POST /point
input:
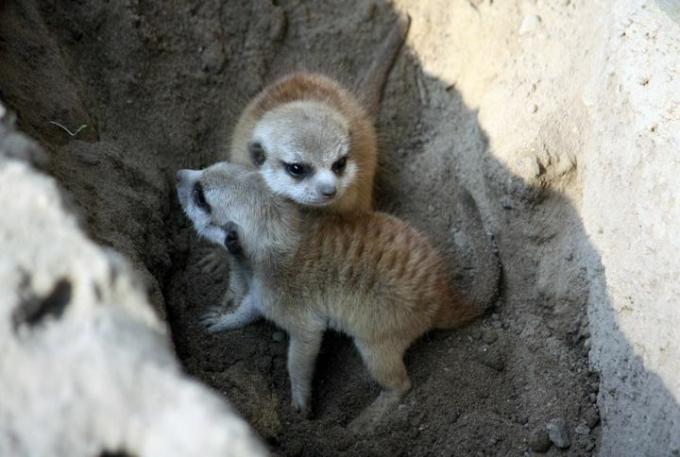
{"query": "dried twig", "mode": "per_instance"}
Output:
(67, 130)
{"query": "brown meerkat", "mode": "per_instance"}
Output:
(366, 274)
(313, 141)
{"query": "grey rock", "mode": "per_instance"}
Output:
(489, 336)
(492, 358)
(558, 433)
(592, 417)
(582, 429)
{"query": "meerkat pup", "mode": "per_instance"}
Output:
(313, 141)
(366, 274)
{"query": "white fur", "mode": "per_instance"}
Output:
(310, 133)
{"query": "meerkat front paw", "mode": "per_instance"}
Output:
(212, 262)
(215, 319)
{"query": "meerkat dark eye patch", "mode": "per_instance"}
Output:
(199, 197)
(297, 170)
(257, 154)
(339, 165)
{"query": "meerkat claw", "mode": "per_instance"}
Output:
(211, 263)
(213, 319)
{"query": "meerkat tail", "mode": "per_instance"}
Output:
(373, 82)
(457, 314)
(471, 304)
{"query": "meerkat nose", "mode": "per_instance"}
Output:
(328, 190)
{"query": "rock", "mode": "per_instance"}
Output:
(530, 24)
(213, 58)
(279, 25)
(492, 359)
(592, 417)
(489, 336)
(558, 433)
(539, 441)
(83, 354)
(582, 429)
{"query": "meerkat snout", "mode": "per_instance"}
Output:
(328, 190)
(189, 189)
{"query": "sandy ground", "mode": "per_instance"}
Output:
(159, 87)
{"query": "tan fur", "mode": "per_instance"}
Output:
(304, 86)
(367, 274)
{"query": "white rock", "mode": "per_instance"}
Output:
(530, 24)
(86, 366)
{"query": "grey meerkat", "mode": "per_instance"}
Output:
(313, 141)
(367, 274)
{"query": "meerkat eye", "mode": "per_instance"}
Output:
(297, 170)
(199, 197)
(339, 165)
(256, 151)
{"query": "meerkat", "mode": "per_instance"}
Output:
(313, 141)
(367, 274)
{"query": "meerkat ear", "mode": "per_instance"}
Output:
(256, 152)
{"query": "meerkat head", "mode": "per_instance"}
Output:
(231, 206)
(302, 149)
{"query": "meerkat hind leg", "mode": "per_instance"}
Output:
(385, 362)
(303, 350)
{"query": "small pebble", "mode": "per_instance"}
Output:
(532, 108)
(582, 429)
(539, 441)
(557, 431)
(213, 58)
(489, 336)
(592, 417)
(369, 12)
(492, 359)
(529, 24)
(279, 26)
